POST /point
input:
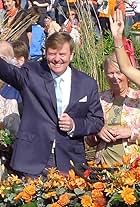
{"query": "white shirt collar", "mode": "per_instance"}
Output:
(64, 75)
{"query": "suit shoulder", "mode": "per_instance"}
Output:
(83, 75)
(33, 66)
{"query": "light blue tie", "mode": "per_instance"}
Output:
(58, 91)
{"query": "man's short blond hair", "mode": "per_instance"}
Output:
(57, 40)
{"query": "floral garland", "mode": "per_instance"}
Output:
(120, 188)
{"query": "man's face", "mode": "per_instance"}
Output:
(59, 59)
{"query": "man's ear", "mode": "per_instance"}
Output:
(71, 56)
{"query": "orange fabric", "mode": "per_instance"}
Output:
(111, 8)
(128, 45)
(12, 12)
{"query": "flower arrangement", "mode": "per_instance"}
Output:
(97, 187)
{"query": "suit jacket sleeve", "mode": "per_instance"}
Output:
(94, 120)
(11, 74)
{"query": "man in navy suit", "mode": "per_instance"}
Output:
(46, 138)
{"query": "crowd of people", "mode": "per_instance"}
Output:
(51, 108)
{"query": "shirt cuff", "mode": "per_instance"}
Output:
(71, 132)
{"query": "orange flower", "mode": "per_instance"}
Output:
(128, 195)
(126, 159)
(100, 202)
(71, 185)
(26, 197)
(64, 199)
(30, 189)
(71, 174)
(99, 185)
(86, 201)
(96, 194)
(55, 205)
(19, 196)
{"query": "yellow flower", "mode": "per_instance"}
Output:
(86, 201)
(30, 189)
(81, 183)
(71, 174)
(2, 188)
(50, 194)
(128, 195)
(126, 159)
(55, 205)
(64, 199)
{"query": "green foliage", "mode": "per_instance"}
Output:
(136, 44)
(32, 204)
(5, 137)
(91, 52)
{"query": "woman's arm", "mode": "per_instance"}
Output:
(117, 27)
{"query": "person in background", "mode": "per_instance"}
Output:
(53, 111)
(61, 8)
(21, 52)
(42, 6)
(38, 41)
(137, 11)
(50, 25)
(9, 115)
(105, 9)
(121, 106)
(117, 28)
(21, 55)
(2, 12)
(129, 14)
(72, 25)
(13, 12)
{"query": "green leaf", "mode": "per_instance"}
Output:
(18, 188)
(32, 204)
(60, 191)
(78, 191)
(77, 205)
(115, 198)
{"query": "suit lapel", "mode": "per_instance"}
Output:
(49, 84)
(75, 88)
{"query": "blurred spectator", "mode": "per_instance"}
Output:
(21, 55)
(137, 11)
(50, 25)
(72, 25)
(129, 14)
(105, 9)
(2, 12)
(38, 41)
(61, 9)
(42, 6)
(13, 12)
(9, 115)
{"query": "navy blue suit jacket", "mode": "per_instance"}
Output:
(39, 123)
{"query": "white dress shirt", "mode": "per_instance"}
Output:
(65, 87)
